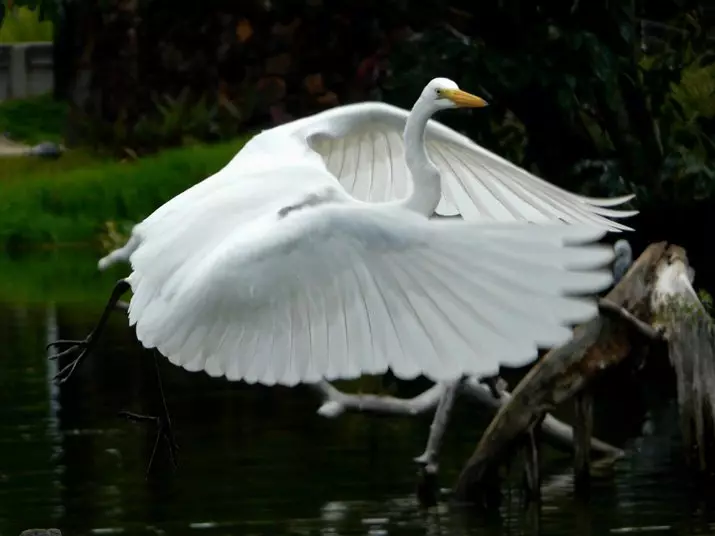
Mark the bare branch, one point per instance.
(335, 402)
(559, 434)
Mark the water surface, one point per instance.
(259, 460)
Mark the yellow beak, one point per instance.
(464, 99)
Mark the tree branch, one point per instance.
(335, 402)
(559, 434)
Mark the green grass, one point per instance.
(71, 207)
(34, 119)
(22, 25)
(23, 168)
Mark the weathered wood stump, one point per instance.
(691, 347)
(638, 315)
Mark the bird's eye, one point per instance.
(439, 92)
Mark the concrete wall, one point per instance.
(25, 70)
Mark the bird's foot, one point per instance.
(163, 430)
(72, 347)
(85, 346)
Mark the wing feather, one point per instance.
(477, 184)
(338, 290)
(361, 145)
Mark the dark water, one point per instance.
(260, 461)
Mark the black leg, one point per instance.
(85, 346)
(492, 383)
(163, 424)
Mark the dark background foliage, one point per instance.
(602, 97)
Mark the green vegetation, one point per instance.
(27, 169)
(74, 206)
(84, 196)
(62, 276)
(34, 119)
(591, 96)
(24, 25)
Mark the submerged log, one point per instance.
(623, 328)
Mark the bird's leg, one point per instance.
(163, 424)
(85, 346)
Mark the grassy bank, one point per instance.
(22, 168)
(33, 120)
(50, 208)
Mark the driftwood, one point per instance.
(442, 396)
(637, 317)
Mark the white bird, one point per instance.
(379, 152)
(270, 271)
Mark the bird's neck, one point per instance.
(426, 187)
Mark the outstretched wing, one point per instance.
(268, 170)
(337, 289)
(362, 146)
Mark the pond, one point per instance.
(257, 460)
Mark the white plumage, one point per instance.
(272, 271)
(367, 146)
(339, 291)
(362, 145)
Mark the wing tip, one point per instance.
(608, 201)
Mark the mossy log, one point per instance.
(624, 329)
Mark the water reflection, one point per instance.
(254, 460)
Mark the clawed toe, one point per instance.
(83, 347)
(65, 372)
(62, 342)
(78, 345)
(163, 431)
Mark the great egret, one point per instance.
(379, 152)
(271, 272)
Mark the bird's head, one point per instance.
(443, 93)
